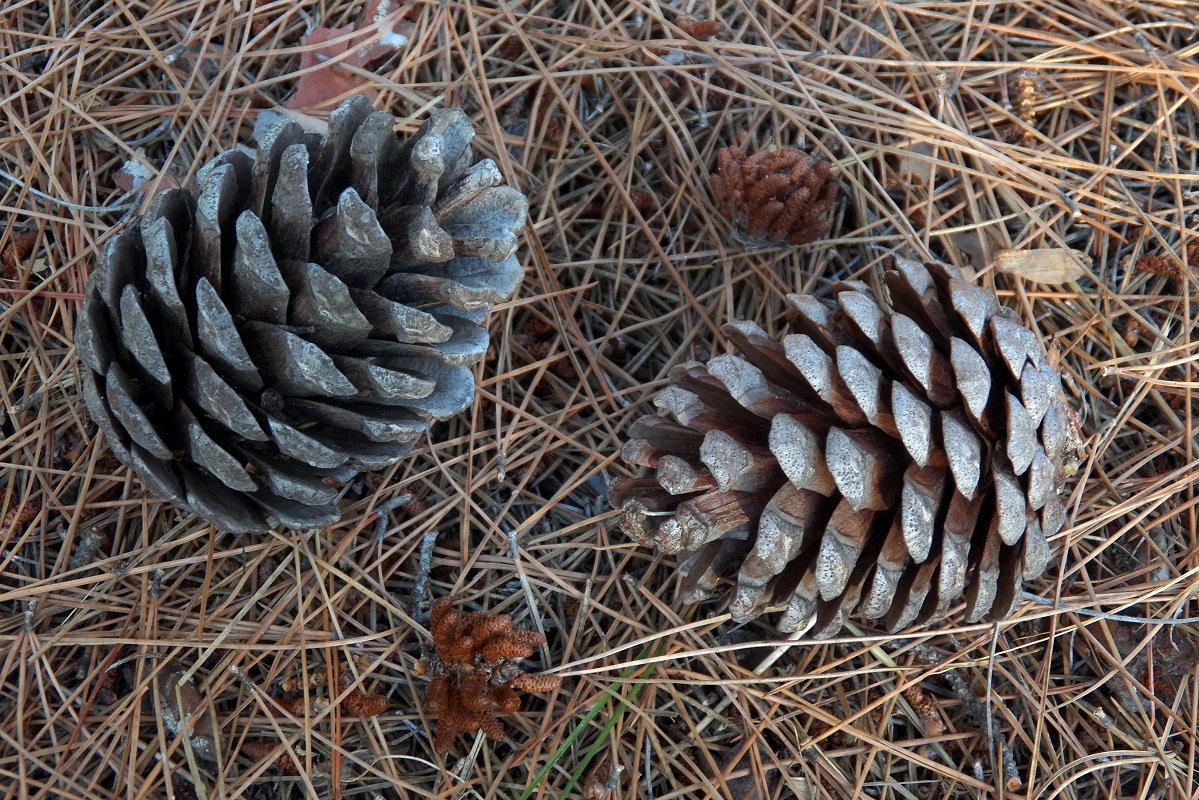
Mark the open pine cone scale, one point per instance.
(875, 462)
(304, 314)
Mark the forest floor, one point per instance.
(957, 129)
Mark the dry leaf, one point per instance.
(133, 173)
(1051, 265)
(975, 245)
(736, 759)
(916, 162)
(380, 33)
(186, 710)
(136, 173)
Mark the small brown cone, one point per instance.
(773, 196)
(303, 314)
(880, 463)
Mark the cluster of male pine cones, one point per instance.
(476, 670)
(775, 195)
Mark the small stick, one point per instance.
(528, 592)
(990, 726)
(420, 589)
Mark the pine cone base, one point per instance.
(877, 463)
(304, 314)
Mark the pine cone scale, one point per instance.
(140, 342)
(156, 474)
(799, 450)
(863, 467)
(129, 414)
(257, 287)
(903, 470)
(291, 207)
(220, 342)
(818, 370)
(866, 384)
(737, 466)
(329, 311)
(204, 451)
(921, 497)
(408, 325)
(165, 306)
(101, 412)
(963, 450)
(914, 419)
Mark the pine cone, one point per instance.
(302, 315)
(875, 463)
(774, 196)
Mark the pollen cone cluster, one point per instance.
(774, 196)
(302, 315)
(885, 464)
(474, 671)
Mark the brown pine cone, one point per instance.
(774, 196)
(303, 314)
(878, 463)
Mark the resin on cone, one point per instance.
(302, 315)
(888, 463)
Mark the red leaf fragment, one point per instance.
(379, 33)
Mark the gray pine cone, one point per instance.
(304, 314)
(884, 464)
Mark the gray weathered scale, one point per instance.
(306, 312)
(887, 458)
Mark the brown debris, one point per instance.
(644, 202)
(313, 678)
(1168, 265)
(1132, 331)
(536, 336)
(1159, 265)
(1161, 667)
(1027, 89)
(365, 705)
(603, 782)
(927, 713)
(18, 517)
(258, 750)
(702, 28)
(356, 703)
(184, 788)
(776, 195)
(475, 671)
(300, 706)
(18, 249)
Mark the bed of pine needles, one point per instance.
(957, 129)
